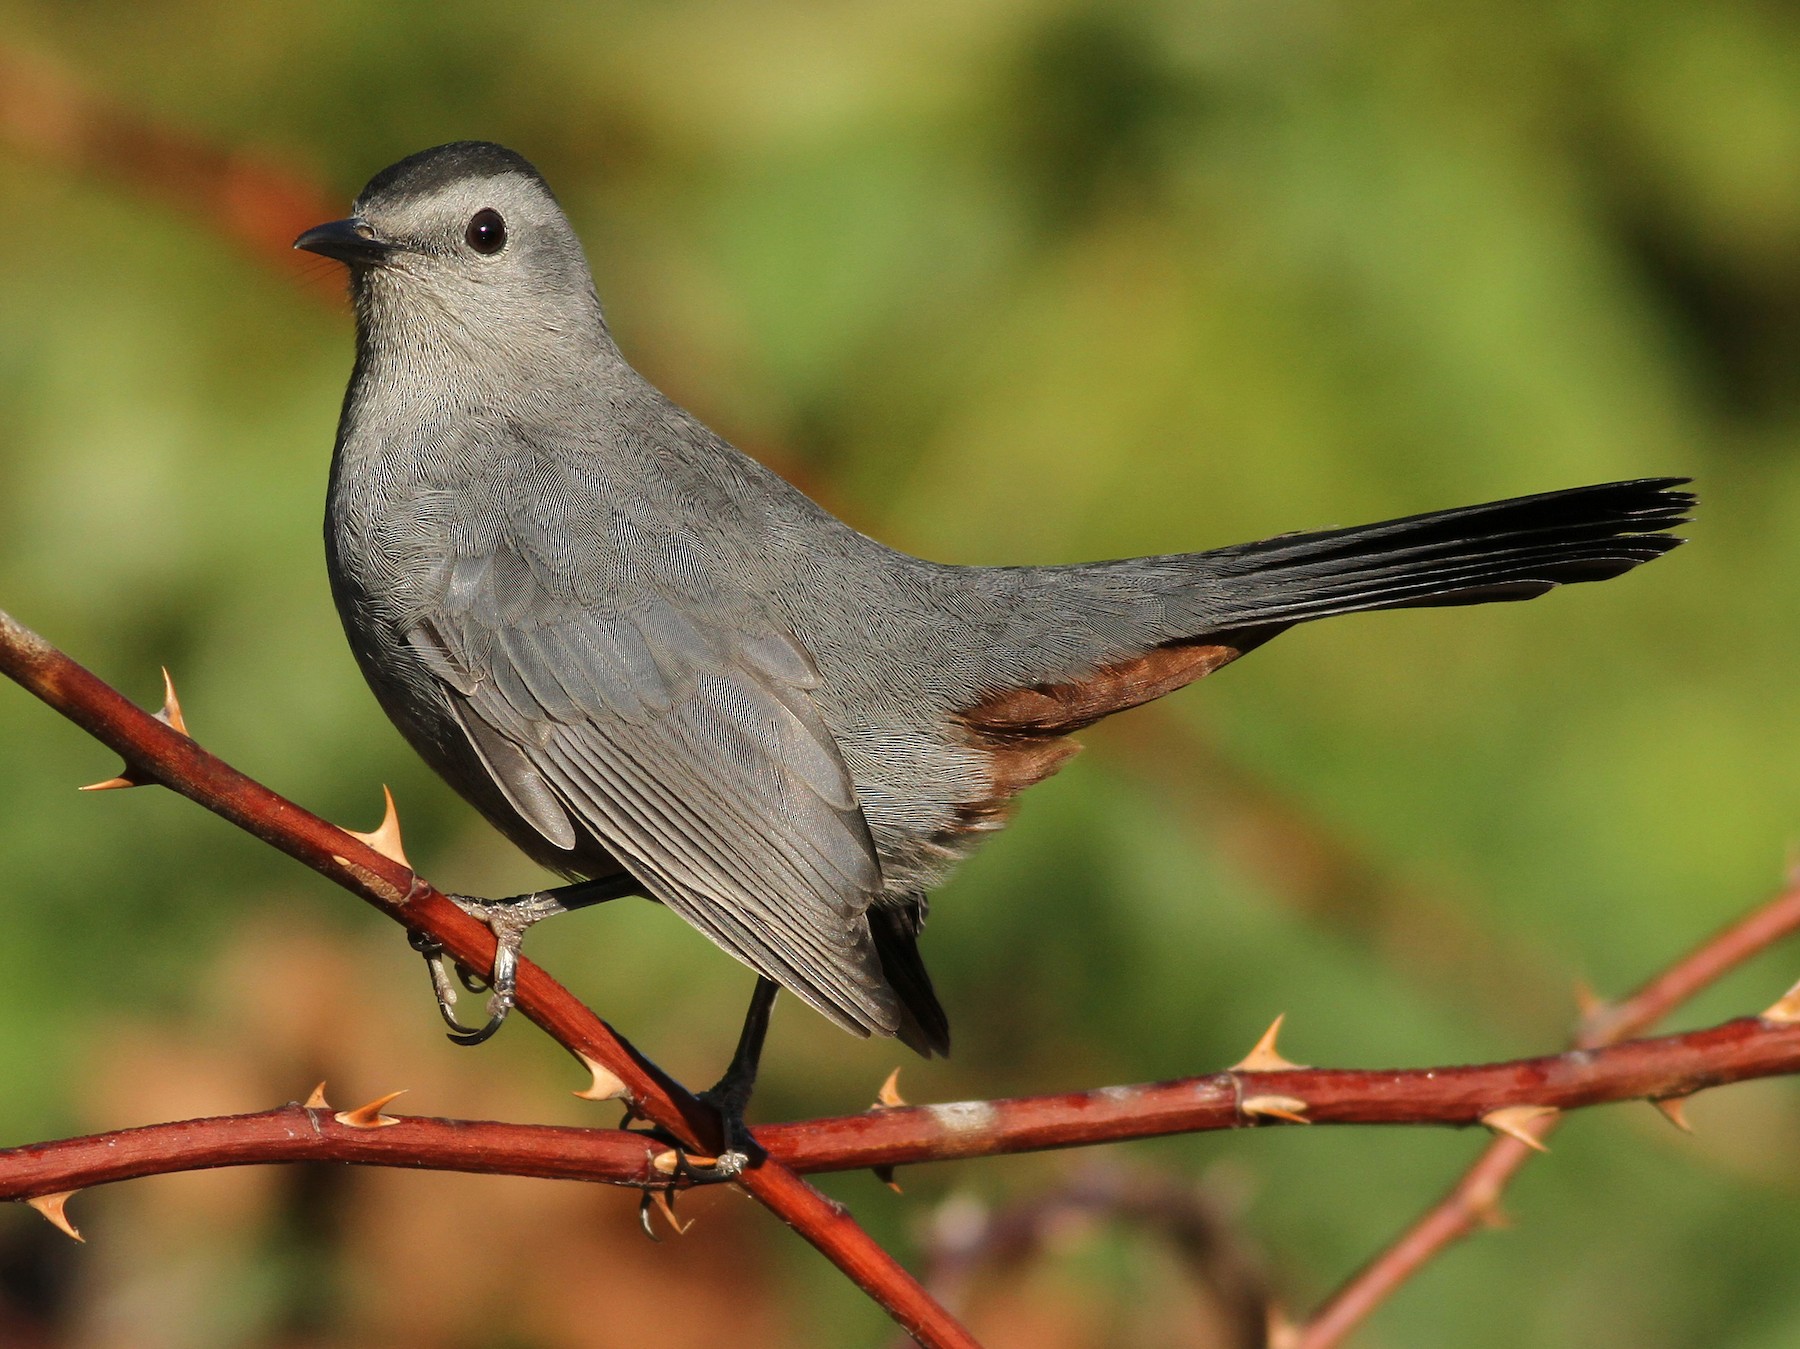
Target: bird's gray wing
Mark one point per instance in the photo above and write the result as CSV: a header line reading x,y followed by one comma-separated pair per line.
x,y
681,735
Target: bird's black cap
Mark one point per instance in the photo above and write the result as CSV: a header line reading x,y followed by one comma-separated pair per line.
x,y
429,170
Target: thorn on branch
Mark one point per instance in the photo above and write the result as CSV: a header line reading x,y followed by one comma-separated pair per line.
x,y
659,1201
1674,1110
385,837
51,1206
368,1115
889,1097
317,1100
606,1086
128,777
1289,1108
1513,1121
1263,1056
1785,1010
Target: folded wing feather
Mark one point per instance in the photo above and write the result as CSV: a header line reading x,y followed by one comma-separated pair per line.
x,y
691,750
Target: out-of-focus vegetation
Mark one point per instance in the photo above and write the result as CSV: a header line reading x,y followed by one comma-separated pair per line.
x,y
1024,281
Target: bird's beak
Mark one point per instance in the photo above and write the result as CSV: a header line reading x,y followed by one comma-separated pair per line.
x,y
350,241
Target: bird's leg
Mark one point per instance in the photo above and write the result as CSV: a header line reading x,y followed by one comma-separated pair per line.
x,y
508,920
730,1095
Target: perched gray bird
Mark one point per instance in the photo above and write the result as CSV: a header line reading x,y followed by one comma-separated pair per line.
x,y
652,663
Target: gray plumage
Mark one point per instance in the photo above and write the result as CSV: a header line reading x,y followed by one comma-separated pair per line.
x,y
630,646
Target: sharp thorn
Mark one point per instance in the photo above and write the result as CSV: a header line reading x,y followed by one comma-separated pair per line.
x,y
170,715
385,837
889,1097
128,778
368,1115
666,1207
1263,1057
1674,1109
1785,1010
1289,1108
317,1100
51,1206
606,1086
1513,1120
885,1174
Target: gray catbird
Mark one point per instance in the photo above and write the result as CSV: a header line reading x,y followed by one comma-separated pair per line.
x,y
654,664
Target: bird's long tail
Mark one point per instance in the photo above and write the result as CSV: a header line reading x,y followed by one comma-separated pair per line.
x,y
1504,550
1216,605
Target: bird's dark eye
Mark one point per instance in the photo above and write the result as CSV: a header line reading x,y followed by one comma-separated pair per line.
x,y
487,232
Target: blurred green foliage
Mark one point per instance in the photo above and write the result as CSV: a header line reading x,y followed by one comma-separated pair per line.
x,y
1022,281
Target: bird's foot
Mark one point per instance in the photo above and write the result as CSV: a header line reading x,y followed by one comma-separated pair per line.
x,y
508,919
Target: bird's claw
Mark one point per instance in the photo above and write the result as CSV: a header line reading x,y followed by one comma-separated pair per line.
x,y
501,987
462,1035
508,920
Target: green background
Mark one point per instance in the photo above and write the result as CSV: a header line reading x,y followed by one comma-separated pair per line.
x,y
1001,282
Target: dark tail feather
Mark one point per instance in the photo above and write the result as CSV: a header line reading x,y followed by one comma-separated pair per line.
x,y
895,927
1505,550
